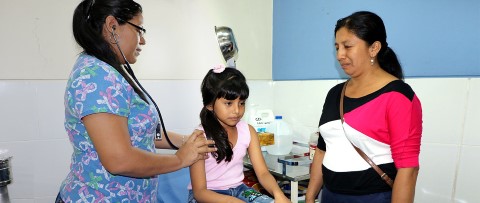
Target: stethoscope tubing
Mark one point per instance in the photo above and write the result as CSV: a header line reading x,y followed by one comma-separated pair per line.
x,y
158,135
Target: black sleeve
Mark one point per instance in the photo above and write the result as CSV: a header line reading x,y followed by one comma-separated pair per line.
x,y
330,111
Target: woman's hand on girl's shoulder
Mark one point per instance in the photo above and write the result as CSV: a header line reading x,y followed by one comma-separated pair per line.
x,y
196,147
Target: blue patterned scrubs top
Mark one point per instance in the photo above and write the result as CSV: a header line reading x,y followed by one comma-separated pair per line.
x,y
96,87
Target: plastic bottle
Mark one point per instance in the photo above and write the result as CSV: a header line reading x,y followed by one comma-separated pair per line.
x,y
283,137
249,114
265,138
260,119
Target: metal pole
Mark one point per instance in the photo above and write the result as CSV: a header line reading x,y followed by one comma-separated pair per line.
x,y
4,198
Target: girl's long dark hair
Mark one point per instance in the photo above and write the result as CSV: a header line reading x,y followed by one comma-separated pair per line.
x,y
88,21
229,84
369,27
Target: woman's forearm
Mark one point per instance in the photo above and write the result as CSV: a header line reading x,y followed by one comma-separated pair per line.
x,y
139,163
316,177
269,183
404,185
111,139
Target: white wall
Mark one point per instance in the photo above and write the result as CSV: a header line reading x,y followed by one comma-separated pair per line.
x,y
38,52
37,41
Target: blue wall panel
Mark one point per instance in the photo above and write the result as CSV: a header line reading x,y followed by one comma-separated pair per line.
x,y
432,38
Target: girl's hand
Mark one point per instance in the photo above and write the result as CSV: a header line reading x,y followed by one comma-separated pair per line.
x,y
195,148
282,199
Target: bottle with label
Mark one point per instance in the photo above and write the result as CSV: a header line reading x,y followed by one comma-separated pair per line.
x,y
259,119
265,138
283,137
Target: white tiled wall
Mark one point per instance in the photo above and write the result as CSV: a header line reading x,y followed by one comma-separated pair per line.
x,y
31,128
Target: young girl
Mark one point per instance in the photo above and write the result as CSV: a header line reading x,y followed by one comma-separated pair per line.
x,y
219,178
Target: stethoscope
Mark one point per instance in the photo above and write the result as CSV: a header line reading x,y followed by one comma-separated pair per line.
x,y
158,134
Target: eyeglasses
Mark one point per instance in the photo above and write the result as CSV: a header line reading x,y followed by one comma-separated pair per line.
x,y
141,30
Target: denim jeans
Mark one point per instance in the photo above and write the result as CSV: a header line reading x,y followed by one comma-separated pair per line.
x,y
242,192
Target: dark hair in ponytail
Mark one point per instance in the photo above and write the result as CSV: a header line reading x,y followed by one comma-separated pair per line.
x,y
229,84
369,27
88,21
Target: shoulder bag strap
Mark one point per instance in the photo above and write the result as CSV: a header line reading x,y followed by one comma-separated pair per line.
x,y
380,172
